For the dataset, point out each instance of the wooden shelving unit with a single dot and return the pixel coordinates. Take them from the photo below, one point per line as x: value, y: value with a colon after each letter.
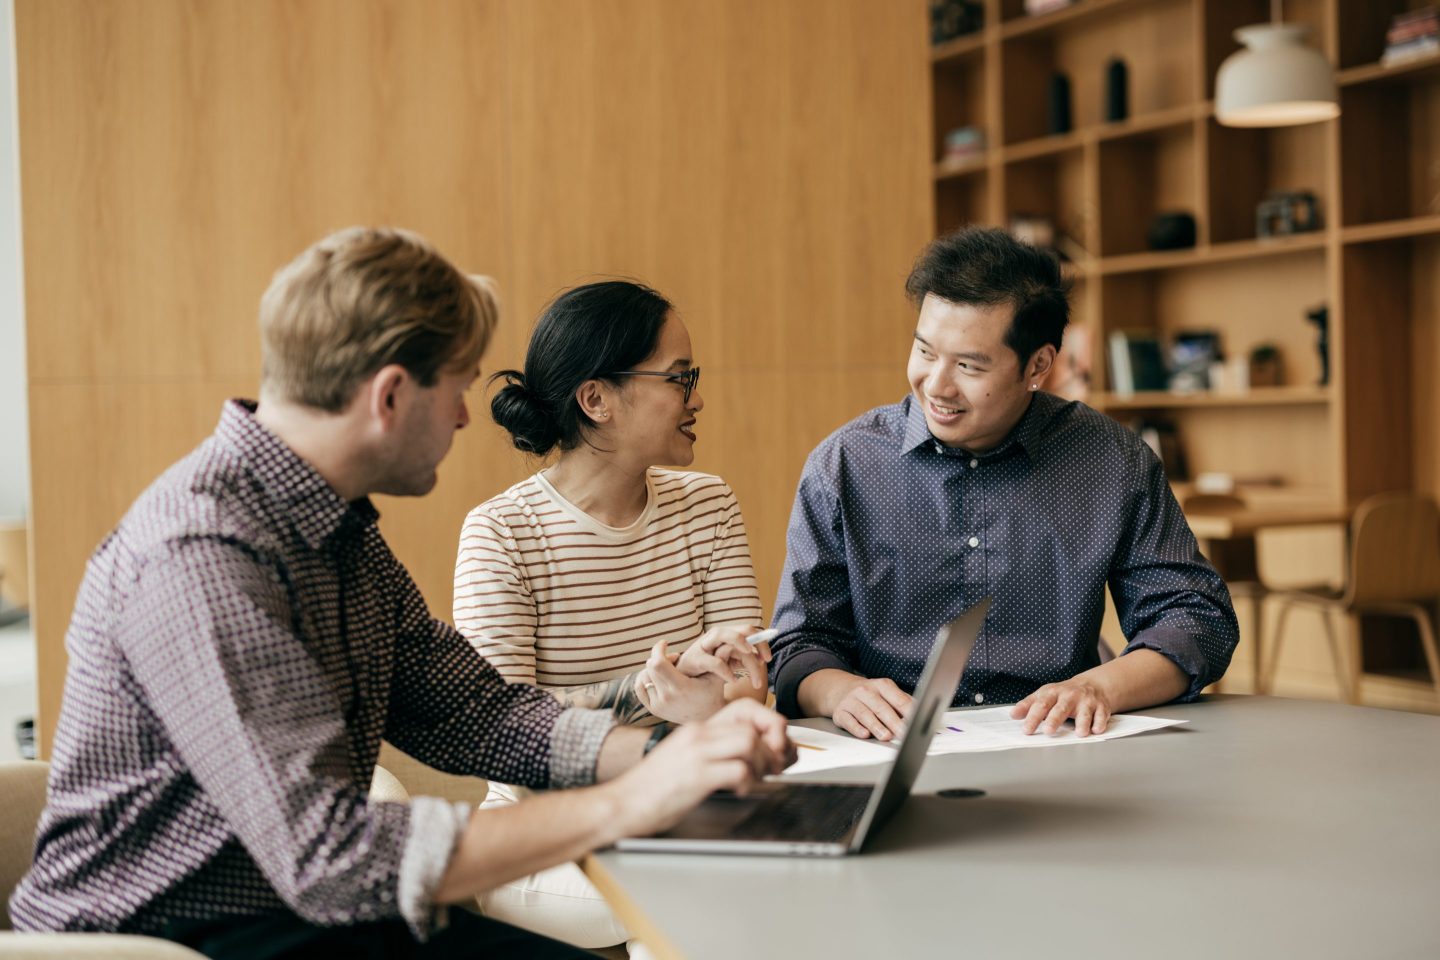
x: 1375, y: 263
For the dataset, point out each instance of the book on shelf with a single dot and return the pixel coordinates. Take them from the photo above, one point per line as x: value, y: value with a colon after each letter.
x: 1412, y: 36
x: 1136, y: 363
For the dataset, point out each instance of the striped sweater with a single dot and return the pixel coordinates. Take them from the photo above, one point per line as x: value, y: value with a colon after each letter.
x: 553, y: 597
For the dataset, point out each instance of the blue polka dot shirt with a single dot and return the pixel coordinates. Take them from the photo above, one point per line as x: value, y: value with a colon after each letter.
x: 892, y: 535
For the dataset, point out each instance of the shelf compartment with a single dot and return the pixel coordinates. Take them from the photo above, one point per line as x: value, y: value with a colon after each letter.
x: 1153, y: 38
x: 1247, y: 302
x: 1142, y: 175
x: 958, y: 89
x: 1051, y: 186
x: 1391, y: 344
x: 1214, y: 254
x: 1289, y: 443
x: 1363, y: 25
x: 1247, y: 164
x: 1384, y: 127
x: 961, y: 201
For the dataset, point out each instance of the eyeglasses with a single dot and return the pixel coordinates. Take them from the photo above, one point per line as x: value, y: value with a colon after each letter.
x: 686, y: 379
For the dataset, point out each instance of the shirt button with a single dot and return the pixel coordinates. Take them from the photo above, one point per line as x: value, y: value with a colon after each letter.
x: 979, y: 698
x: 939, y: 447
x: 974, y: 541
x: 974, y: 463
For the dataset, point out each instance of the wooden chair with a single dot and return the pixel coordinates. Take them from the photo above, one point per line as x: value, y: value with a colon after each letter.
x: 1394, y: 571
x: 1235, y: 560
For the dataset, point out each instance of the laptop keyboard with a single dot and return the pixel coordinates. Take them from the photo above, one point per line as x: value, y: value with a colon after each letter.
x: 819, y: 813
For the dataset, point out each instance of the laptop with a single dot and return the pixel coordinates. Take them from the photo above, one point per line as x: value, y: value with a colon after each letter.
x: 828, y: 819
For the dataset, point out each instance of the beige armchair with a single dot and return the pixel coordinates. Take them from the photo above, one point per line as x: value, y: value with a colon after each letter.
x: 22, y: 797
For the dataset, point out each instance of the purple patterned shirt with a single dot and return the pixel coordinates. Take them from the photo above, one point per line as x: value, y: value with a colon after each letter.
x: 240, y: 645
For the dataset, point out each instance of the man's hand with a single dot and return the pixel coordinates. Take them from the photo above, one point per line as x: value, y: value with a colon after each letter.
x: 733, y: 750
x: 1083, y: 698
x: 722, y: 651
x: 864, y: 708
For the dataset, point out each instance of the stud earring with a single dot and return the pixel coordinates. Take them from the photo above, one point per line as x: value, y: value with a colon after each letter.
x: 1034, y: 386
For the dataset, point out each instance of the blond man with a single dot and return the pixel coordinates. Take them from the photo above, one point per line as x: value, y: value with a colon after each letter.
x: 244, y: 639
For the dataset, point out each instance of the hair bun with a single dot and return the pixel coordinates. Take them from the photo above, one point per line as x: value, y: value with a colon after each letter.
x: 522, y: 415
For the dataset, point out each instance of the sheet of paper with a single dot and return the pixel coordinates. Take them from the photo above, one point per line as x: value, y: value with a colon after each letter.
x: 818, y: 750
x: 974, y: 731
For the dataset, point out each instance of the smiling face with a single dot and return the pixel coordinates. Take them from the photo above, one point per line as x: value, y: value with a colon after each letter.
x: 652, y: 423
x: 967, y: 381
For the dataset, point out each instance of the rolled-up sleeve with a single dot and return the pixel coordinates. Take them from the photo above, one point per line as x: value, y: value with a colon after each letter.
x: 813, y: 611
x: 1168, y: 597
x: 212, y: 640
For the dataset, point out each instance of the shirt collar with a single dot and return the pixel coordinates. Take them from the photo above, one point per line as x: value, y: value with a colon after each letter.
x: 311, y: 504
x: 1027, y: 434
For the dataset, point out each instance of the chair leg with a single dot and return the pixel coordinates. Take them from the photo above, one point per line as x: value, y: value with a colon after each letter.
x: 1342, y: 674
x: 1426, y: 625
x: 1265, y: 682
x: 1257, y: 633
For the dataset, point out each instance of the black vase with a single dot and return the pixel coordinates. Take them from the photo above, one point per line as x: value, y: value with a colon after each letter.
x: 1059, y: 103
x: 1117, y: 91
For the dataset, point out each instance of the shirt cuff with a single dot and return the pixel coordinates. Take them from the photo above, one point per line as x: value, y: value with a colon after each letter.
x: 1179, y: 648
x: 795, y: 669
x: 575, y: 746
x: 436, y: 827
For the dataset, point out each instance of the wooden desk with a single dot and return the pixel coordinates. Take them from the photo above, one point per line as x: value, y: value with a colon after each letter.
x: 1262, y: 828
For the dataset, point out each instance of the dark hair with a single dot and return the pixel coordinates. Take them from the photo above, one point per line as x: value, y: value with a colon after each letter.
x: 583, y: 334
x: 980, y: 266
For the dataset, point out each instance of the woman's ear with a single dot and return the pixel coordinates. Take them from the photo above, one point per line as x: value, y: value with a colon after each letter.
x: 594, y: 399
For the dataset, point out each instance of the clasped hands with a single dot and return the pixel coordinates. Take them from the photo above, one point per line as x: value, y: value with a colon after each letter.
x: 694, y: 685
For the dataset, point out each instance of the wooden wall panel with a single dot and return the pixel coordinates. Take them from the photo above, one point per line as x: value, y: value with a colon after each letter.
x: 758, y: 162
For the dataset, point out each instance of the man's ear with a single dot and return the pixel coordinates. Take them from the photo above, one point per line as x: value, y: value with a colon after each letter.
x: 386, y: 392
x: 1041, y: 362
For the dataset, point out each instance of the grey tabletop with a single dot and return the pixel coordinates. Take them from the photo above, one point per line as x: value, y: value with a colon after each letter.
x: 1262, y: 828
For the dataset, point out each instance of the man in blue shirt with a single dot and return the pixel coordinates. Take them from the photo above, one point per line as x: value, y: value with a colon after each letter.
x: 976, y: 485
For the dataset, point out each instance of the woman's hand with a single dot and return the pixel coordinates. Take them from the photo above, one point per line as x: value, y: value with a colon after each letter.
x: 718, y: 667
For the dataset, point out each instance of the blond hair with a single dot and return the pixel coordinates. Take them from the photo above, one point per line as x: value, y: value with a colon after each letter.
x: 364, y: 298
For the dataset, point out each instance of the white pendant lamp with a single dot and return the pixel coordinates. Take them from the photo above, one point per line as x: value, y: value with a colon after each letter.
x: 1276, y: 81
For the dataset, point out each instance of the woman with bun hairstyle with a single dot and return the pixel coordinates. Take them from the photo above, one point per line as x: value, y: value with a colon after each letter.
x: 607, y: 578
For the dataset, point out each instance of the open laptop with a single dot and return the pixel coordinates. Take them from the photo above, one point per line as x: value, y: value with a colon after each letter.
x: 828, y: 819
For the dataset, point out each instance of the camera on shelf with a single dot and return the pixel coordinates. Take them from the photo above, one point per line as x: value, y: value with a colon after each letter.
x: 1282, y: 213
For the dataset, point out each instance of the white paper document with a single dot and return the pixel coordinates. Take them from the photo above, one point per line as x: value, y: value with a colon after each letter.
x: 818, y: 750
x: 961, y: 731
x: 974, y: 731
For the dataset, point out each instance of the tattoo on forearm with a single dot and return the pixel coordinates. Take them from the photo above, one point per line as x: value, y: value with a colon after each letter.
x: 617, y: 695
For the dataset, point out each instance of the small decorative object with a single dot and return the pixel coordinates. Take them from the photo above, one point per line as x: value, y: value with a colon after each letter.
x: 1035, y: 230
x: 1320, y: 316
x: 1117, y: 91
x: 1174, y: 230
x: 963, y: 143
x: 1059, y: 115
x: 954, y: 18
x: 1191, y: 356
x: 1267, y: 368
x: 1282, y: 213
x: 1035, y: 8
x: 1136, y: 363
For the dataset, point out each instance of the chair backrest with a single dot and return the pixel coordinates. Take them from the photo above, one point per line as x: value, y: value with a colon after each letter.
x: 420, y: 780
x: 22, y: 797
x: 1394, y: 550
